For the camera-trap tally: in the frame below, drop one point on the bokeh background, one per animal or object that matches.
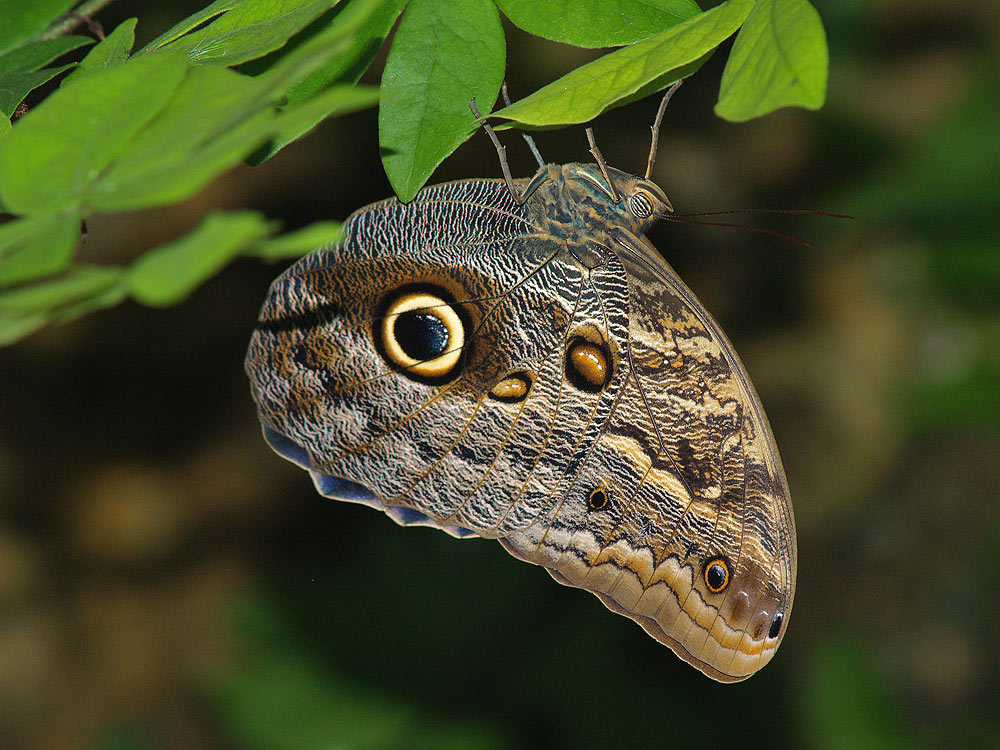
(166, 581)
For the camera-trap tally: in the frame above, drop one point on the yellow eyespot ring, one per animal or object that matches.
(598, 499)
(422, 335)
(717, 575)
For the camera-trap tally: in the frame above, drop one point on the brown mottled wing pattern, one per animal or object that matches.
(444, 454)
(688, 462)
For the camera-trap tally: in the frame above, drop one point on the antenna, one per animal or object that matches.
(604, 167)
(655, 127)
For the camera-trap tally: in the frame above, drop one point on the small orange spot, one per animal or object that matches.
(510, 389)
(590, 363)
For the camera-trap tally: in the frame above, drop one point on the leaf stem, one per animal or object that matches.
(77, 16)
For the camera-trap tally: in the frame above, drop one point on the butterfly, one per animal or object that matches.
(512, 359)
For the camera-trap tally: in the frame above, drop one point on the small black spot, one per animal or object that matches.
(422, 335)
(598, 499)
(775, 628)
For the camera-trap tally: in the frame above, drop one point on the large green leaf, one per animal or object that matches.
(445, 53)
(779, 59)
(57, 150)
(171, 272)
(214, 119)
(597, 23)
(23, 19)
(234, 31)
(586, 92)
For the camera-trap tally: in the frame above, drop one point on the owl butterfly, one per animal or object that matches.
(514, 360)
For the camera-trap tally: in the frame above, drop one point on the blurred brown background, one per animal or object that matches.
(166, 581)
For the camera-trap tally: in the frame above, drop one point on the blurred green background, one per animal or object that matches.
(166, 581)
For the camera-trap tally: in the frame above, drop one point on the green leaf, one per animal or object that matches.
(85, 288)
(597, 23)
(445, 53)
(76, 133)
(19, 68)
(240, 30)
(15, 86)
(311, 51)
(23, 19)
(171, 272)
(297, 243)
(112, 51)
(214, 118)
(34, 55)
(348, 66)
(779, 59)
(581, 95)
(36, 246)
(298, 119)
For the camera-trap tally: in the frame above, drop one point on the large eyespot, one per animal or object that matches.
(717, 575)
(512, 388)
(421, 334)
(588, 365)
(640, 205)
(598, 499)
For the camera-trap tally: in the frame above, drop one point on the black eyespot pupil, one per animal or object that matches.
(421, 335)
(598, 500)
(715, 576)
(775, 626)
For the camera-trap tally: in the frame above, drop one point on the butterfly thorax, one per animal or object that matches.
(579, 202)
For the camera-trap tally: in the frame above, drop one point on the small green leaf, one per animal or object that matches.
(60, 147)
(34, 55)
(22, 20)
(36, 246)
(779, 59)
(170, 273)
(241, 31)
(581, 95)
(298, 119)
(445, 53)
(15, 86)
(112, 51)
(297, 243)
(84, 288)
(597, 23)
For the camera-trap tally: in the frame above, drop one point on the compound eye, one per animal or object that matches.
(641, 205)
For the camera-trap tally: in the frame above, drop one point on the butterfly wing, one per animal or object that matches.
(484, 448)
(687, 477)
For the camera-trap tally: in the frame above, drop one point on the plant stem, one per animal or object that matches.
(69, 22)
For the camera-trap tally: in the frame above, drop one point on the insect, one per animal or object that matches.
(512, 359)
